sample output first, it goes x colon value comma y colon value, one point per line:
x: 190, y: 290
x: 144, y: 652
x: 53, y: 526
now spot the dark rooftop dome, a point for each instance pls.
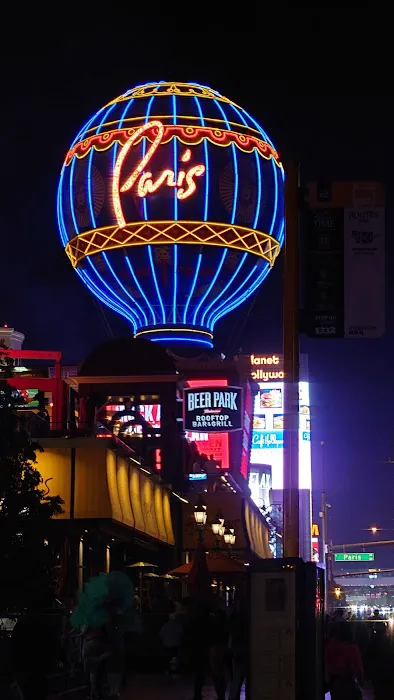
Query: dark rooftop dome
x: 127, y: 356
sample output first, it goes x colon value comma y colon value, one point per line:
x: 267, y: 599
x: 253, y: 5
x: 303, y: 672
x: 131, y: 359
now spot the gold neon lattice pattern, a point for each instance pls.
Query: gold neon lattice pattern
x: 140, y: 233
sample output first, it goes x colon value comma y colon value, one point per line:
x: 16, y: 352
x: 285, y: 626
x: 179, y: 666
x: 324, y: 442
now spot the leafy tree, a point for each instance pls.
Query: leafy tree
x: 26, y: 561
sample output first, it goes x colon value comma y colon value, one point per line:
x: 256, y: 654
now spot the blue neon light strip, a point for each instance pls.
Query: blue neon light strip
x: 276, y: 197
x: 139, y: 320
x: 281, y: 235
x: 91, y: 120
x: 86, y: 126
x: 183, y: 340
x: 213, y: 302
x: 100, y: 295
x: 144, y: 316
x: 256, y: 284
x: 175, y: 159
x: 259, y: 128
x: 259, y: 190
x: 192, y: 288
x: 239, y: 299
x: 71, y: 186
x: 59, y: 208
x: 121, y: 120
x: 258, y: 170
x: 226, y: 304
x: 281, y: 232
x: 205, y: 146
x: 235, y: 163
x: 89, y: 168
x: 134, y: 276
x: 144, y: 142
x: 225, y: 251
x: 174, y: 300
x: 130, y: 312
x: 152, y: 267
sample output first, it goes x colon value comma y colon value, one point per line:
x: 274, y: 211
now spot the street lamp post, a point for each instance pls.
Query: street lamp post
x: 200, y: 517
x: 219, y: 528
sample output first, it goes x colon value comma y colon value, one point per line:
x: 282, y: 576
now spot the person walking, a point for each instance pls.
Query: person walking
x: 171, y: 635
x: 114, y: 659
x: 343, y: 662
x: 95, y: 651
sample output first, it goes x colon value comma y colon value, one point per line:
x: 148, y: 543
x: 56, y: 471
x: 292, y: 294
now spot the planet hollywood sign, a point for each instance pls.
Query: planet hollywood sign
x: 213, y: 410
x: 266, y: 368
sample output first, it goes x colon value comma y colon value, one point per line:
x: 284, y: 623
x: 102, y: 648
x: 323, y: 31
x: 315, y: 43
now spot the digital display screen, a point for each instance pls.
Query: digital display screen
x: 216, y: 444
x: 29, y: 398
x: 269, y: 397
x: 267, y: 435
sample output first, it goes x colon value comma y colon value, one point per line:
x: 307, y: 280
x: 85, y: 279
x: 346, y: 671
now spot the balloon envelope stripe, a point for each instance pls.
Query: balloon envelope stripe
x: 144, y: 142
x: 235, y: 165
x: 143, y: 319
x: 72, y: 208
x: 89, y: 170
x: 240, y: 299
x: 105, y: 299
x: 275, y: 200
x: 121, y: 122
x: 60, y: 214
x: 174, y: 302
x: 112, y: 292
x: 206, y: 198
x: 175, y: 160
x: 140, y: 289
x: 192, y: 288
x: 152, y: 266
x: 219, y: 268
x: 223, y: 308
x: 227, y: 301
x: 229, y: 283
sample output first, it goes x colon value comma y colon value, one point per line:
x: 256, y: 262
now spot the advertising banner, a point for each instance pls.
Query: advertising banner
x: 344, y: 270
x: 216, y: 444
x: 213, y: 410
x: 260, y: 484
x: 364, y: 240
x: 267, y: 435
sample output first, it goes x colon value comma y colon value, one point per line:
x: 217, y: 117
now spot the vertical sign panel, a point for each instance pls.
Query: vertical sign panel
x: 344, y: 235
x: 364, y: 272
x: 324, y: 271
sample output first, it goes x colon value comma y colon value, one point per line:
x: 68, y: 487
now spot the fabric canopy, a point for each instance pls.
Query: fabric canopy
x: 217, y: 564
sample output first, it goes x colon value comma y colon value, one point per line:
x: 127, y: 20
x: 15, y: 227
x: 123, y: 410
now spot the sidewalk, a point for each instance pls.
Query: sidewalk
x: 157, y: 687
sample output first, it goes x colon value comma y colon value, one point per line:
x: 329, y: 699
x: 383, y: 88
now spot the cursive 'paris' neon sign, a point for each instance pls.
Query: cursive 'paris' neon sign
x: 145, y: 182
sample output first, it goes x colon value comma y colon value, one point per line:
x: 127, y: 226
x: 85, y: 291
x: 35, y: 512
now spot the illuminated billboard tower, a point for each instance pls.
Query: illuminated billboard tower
x: 170, y: 208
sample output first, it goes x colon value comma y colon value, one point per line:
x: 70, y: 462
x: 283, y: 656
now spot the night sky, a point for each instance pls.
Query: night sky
x: 326, y: 107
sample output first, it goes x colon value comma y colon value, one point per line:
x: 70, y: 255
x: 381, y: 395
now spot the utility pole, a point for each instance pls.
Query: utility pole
x: 323, y: 515
x: 291, y: 516
x: 327, y: 551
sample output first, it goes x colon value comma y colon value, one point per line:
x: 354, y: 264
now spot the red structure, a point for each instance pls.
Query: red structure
x: 55, y: 386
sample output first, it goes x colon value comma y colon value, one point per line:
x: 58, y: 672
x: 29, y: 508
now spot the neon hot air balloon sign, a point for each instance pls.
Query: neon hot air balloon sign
x: 171, y: 209
x: 184, y: 182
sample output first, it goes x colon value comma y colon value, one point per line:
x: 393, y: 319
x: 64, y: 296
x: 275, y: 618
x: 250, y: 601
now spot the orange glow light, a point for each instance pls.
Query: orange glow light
x: 146, y: 184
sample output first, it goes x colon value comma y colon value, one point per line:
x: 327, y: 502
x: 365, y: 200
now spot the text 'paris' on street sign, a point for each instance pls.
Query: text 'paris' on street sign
x: 354, y: 556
